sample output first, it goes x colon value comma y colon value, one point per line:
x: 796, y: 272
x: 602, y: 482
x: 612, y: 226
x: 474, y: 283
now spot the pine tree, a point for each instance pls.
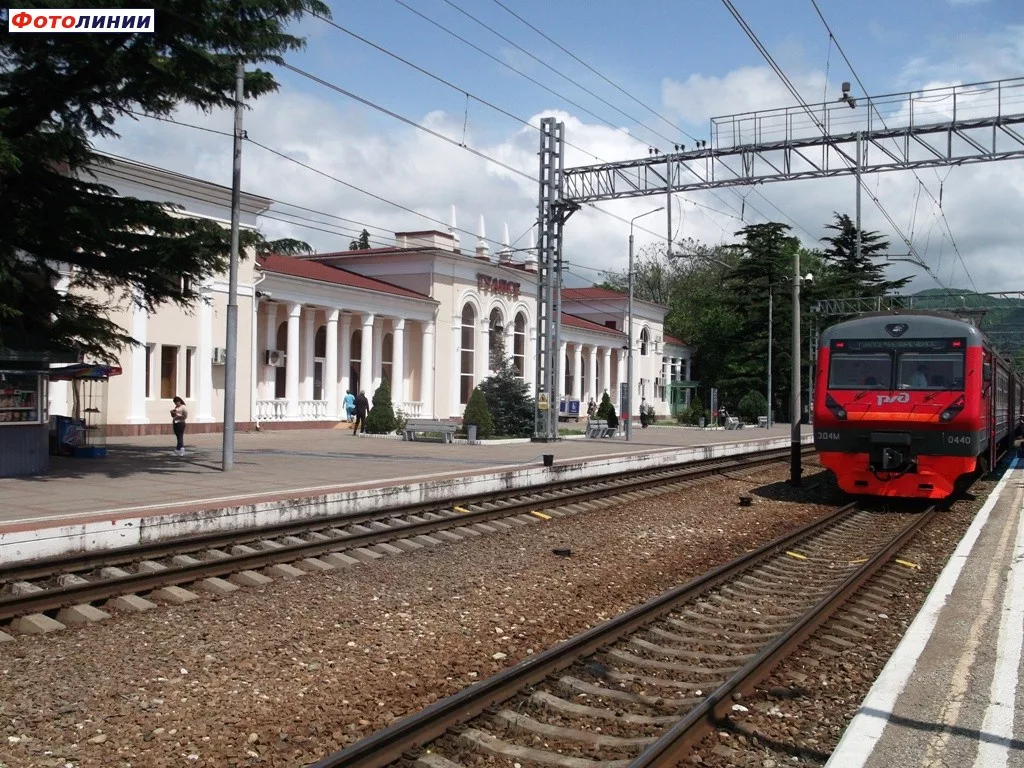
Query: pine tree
x: 606, y: 412
x: 852, y: 276
x: 57, y: 94
x: 478, y: 415
x: 381, y: 419
x: 508, y: 396
x: 362, y: 243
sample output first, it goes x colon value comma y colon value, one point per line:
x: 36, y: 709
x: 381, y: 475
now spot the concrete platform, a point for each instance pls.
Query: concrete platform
x: 143, y: 492
x: 949, y: 695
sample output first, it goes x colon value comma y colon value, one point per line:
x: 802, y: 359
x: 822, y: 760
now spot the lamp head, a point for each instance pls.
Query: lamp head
x: 809, y: 278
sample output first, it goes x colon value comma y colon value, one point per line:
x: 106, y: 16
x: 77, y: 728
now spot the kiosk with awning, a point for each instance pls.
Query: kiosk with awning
x: 83, y: 434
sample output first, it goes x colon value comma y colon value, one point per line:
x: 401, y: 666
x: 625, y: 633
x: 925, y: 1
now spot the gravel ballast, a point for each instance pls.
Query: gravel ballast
x: 285, y: 674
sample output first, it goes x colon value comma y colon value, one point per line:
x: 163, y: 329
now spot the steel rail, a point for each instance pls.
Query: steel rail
x: 72, y: 594
x: 672, y: 745
x: 45, y: 567
x: 391, y: 743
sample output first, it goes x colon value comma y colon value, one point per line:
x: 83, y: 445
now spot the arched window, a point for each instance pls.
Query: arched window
x: 280, y: 373
x: 319, y: 353
x: 355, y: 363
x: 645, y: 338
x: 468, y: 348
x: 496, y: 352
x: 386, y: 359
x: 519, y: 345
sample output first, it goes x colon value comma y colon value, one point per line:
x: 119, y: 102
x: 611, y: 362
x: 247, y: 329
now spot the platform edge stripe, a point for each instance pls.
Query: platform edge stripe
x: 1001, y: 711
x: 859, y: 739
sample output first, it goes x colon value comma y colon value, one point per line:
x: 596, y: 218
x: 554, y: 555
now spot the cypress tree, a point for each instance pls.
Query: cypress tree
x: 381, y: 419
x: 478, y: 415
x: 606, y: 411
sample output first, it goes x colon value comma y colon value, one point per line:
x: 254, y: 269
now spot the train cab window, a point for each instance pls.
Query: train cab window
x: 931, y: 371
x: 860, y: 371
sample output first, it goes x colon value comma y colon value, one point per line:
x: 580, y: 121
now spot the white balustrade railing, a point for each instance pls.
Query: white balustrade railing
x: 271, y: 410
x: 312, y: 409
x: 412, y: 409
x: 277, y: 410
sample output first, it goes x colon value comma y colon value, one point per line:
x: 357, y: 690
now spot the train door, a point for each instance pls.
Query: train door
x: 988, y: 407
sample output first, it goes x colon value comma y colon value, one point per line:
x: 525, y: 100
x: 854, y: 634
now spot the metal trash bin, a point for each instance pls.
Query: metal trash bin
x: 471, y: 433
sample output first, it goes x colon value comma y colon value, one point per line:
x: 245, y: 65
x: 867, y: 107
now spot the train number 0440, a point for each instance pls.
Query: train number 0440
x: 959, y: 439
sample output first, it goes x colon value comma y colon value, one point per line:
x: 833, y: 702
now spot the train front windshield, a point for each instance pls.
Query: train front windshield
x: 925, y: 364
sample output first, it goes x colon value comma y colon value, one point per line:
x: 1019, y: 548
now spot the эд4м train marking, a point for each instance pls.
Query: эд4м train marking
x: 908, y: 404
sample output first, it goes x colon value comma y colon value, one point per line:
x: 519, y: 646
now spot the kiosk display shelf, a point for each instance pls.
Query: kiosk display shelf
x: 20, y: 398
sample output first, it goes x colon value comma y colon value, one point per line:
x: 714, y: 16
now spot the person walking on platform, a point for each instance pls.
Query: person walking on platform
x: 179, y: 415
x: 350, y: 405
x: 362, y: 408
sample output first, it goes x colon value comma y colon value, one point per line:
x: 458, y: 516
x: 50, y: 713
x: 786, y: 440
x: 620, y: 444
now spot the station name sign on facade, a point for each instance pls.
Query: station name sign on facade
x: 487, y: 284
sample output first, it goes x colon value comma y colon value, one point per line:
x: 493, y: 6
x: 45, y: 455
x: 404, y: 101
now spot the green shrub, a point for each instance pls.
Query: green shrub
x: 477, y: 414
x: 606, y: 411
x: 381, y: 419
x: 751, y: 406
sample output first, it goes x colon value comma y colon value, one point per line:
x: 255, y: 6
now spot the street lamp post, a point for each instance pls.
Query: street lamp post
x: 768, y: 419
x: 629, y: 320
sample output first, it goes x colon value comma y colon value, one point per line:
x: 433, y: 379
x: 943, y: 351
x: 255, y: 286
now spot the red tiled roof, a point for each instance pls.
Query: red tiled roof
x: 311, y: 270
x: 588, y: 325
x: 569, y: 294
x: 674, y: 340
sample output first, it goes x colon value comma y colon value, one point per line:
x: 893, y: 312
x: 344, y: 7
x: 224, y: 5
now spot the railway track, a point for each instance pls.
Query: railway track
x: 643, y: 688
x: 326, y: 543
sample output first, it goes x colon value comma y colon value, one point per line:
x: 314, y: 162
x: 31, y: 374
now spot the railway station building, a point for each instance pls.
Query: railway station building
x: 424, y: 314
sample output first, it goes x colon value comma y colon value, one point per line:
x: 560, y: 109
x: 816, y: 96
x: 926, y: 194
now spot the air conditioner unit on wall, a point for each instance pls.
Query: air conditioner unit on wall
x: 275, y: 357
x: 220, y: 356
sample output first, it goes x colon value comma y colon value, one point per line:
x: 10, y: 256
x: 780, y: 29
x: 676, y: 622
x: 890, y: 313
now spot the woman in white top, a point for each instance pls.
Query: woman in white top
x: 179, y: 415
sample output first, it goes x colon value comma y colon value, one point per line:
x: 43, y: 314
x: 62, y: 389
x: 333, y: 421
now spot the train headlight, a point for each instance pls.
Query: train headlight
x: 952, y: 410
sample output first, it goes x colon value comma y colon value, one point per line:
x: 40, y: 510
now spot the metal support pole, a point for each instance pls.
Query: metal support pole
x: 628, y: 416
x: 860, y: 162
x: 768, y: 394
x: 794, y: 439
x: 231, y: 341
x: 811, y: 334
x: 628, y: 410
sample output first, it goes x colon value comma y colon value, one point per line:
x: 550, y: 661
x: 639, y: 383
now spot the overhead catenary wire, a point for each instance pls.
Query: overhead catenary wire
x: 821, y: 127
x: 872, y: 105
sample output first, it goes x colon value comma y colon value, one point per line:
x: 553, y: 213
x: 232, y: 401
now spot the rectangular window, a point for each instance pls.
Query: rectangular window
x: 168, y: 371
x: 931, y: 371
x: 190, y: 356
x: 860, y: 371
x: 149, y: 370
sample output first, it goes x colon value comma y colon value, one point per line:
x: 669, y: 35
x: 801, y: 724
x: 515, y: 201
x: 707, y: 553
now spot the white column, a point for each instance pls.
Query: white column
x: 577, y: 371
x: 137, y: 405
x: 482, y: 361
x: 331, y: 364
x: 510, y: 338
x: 291, y: 362
x: 456, y: 407
x: 366, y: 357
x: 346, y: 356
x: 378, y: 354
x: 689, y: 392
x: 58, y: 393
x: 307, y: 353
x: 606, y: 374
x: 592, y: 374
x: 270, y: 331
x: 427, y: 372
x: 398, y: 362
x: 204, y: 365
x: 563, y: 349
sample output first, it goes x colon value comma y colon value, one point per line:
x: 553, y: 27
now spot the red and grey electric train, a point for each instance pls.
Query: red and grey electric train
x: 908, y: 404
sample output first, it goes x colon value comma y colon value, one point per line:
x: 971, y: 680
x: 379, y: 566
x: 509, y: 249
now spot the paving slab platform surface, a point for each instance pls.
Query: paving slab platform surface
x: 143, y: 491
x: 950, y: 695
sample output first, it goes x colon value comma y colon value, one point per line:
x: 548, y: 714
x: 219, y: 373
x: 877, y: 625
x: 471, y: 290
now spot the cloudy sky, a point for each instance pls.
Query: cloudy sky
x: 623, y: 77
